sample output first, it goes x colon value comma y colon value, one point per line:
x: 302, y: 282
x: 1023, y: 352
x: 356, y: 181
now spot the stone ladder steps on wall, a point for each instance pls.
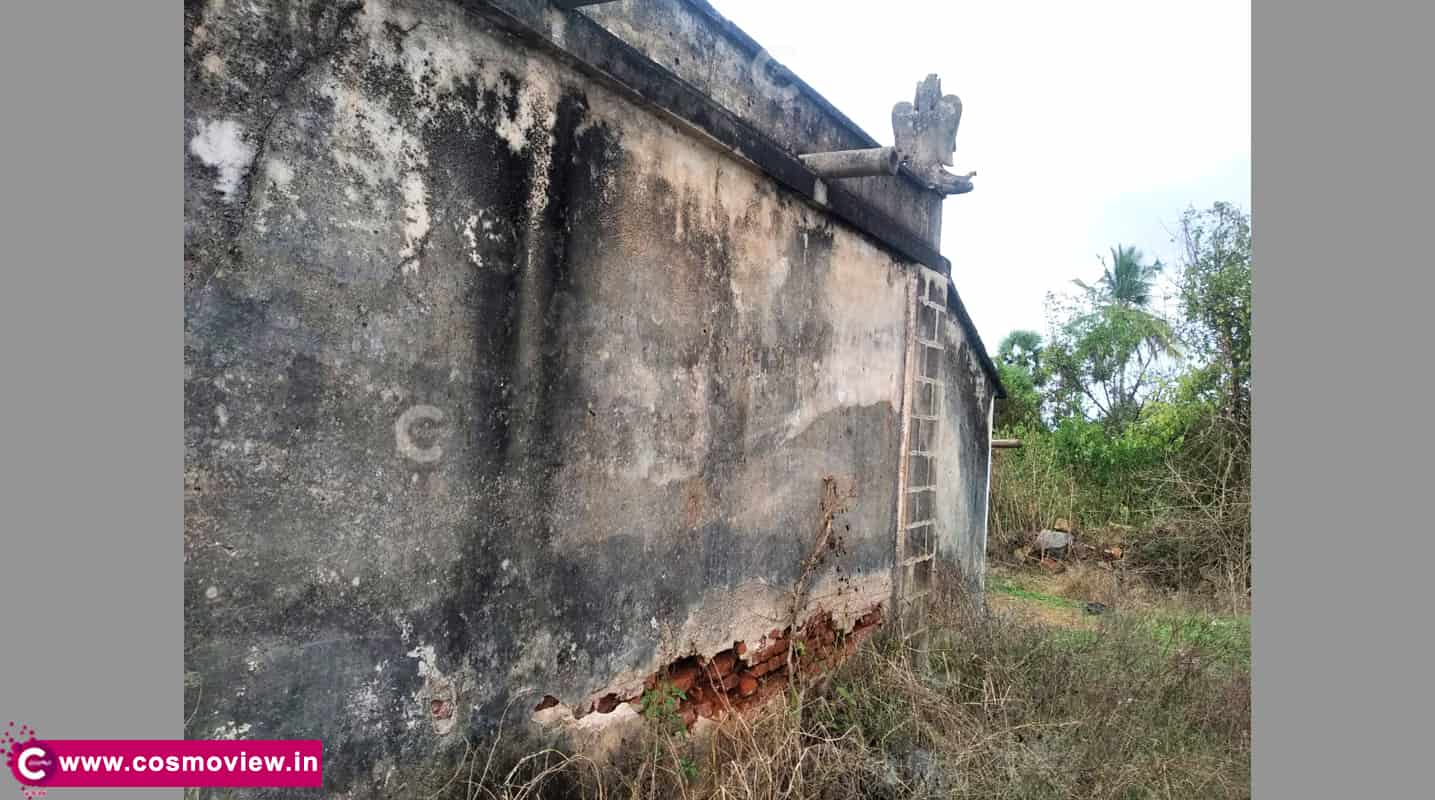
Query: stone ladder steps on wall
x: 917, y: 540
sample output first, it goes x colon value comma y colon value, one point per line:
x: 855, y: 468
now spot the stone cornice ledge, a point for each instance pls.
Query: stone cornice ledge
x: 588, y: 47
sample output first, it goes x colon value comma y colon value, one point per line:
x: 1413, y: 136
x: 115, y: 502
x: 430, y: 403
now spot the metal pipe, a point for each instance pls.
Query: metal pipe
x: 1002, y: 443
x: 854, y: 163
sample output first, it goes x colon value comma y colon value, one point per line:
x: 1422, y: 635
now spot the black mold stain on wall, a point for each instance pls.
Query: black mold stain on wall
x: 523, y: 430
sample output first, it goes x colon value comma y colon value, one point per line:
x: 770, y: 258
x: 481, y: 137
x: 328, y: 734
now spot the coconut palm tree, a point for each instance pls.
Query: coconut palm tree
x: 1022, y: 348
x: 1106, y: 353
x: 1125, y: 281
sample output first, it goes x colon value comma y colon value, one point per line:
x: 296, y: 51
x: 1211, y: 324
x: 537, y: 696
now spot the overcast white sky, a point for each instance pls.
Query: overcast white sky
x: 1088, y: 124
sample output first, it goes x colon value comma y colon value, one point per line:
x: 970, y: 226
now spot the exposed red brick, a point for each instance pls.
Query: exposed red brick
x: 774, y: 649
x: 441, y: 709
x: 548, y: 701
x: 747, y: 686
x: 685, y: 676
x: 724, y: 662
x: 727, y: 682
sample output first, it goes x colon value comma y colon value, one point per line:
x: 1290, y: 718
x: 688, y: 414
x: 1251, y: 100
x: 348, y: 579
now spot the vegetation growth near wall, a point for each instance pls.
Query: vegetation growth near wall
x: 1135, y: 423
x: 995, y: 706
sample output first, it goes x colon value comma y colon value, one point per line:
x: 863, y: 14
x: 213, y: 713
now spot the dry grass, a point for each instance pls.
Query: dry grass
x: 995, y: 706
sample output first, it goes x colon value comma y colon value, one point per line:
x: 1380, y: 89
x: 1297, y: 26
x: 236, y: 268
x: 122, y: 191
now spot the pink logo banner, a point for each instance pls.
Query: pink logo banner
x: 156, y: 763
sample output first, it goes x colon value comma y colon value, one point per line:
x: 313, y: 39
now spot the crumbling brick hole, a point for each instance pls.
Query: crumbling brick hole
x: 742, y: 678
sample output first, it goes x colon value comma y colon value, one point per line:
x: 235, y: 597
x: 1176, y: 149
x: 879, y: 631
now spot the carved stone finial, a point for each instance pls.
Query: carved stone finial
x: 926, y: 136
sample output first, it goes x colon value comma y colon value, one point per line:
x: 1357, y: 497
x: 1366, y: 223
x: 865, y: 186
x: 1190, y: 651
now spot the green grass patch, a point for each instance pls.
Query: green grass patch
x: 1225, y: 638
x: 1004, y: 585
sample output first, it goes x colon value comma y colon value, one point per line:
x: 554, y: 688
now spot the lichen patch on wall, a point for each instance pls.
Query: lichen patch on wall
x: 416, y: 219
x: 220, y: 144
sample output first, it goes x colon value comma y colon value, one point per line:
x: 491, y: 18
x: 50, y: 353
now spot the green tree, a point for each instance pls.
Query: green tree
x: 1106, y: 349
x: 1213, y: 474
x: 1127, y: 280
x: 1022, y: 348
x: 1215, y: 288
x: 1021, y: 409
x: 1019, y: 365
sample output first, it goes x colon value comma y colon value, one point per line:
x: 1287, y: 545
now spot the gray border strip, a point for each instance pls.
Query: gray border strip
x: 91, y: 554
x: 1341, y: 648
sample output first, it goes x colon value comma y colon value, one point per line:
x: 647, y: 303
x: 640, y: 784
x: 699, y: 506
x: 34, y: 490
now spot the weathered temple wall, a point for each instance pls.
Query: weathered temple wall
x: 499, y: 385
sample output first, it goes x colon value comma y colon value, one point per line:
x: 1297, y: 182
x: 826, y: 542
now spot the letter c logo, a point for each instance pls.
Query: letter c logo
x: 22, y: 763
x: 406, y: 445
